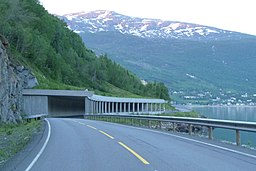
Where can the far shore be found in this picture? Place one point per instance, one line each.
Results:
(191, 106)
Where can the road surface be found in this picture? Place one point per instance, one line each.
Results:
(78, 144)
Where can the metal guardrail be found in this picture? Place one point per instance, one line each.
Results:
(209, 123)
(36, 117)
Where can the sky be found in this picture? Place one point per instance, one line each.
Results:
(234, 15)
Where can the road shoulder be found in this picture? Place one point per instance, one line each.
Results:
(23, 158)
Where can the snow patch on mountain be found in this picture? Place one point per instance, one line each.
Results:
(174, 26)
(104, 15)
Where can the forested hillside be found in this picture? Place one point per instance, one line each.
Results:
(58, 56)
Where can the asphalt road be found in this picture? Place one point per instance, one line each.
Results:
(77, 144)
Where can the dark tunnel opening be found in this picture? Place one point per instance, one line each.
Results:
(61, 106)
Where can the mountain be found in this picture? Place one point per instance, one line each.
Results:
(109, 21)
(196, 62)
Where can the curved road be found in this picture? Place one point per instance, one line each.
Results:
(77, 144)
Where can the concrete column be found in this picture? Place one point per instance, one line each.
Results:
(102, 107)
(142, 107)
(91, 107)
(151, 107)
(109, 109)
(87, 105)
(155, 107)
(113, 107)
(105, 107)
(120, 106)
(97, 107)
(138, 107)
(147, 107)
(133, 107)
(124, 107)
(116, 107)
(94, 107)
(129, 107)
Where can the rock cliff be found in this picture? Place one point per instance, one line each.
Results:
(13, 79)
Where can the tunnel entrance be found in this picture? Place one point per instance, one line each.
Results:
(63, 106)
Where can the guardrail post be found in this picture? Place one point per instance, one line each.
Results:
(173, 127)
(210, 132)
(238, 138)
(149, 123)
(160, 125)
(189, 129)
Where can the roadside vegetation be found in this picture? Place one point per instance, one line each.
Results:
(13, 137)
(192, 114)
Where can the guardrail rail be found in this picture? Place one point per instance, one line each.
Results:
(191, 123)
(36, 117)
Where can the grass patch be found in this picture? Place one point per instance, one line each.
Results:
(192, 114)
(13, 137)
(116, 92)
(46, 83)
(168, 106)
(111, 90)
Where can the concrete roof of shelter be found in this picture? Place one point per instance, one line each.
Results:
(69, 93)
(90, 95)
(119, 99)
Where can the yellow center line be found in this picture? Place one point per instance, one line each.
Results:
(134, 153)
(106, 134)
(91, 127)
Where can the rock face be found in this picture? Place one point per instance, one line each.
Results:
(13, 79)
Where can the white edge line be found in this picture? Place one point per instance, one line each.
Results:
(42, 149)
(199, 142)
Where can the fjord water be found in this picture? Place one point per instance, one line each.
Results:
(236, 113)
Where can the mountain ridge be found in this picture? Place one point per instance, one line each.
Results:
(104, 21)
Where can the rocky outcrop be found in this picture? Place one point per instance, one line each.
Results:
(13, 79)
